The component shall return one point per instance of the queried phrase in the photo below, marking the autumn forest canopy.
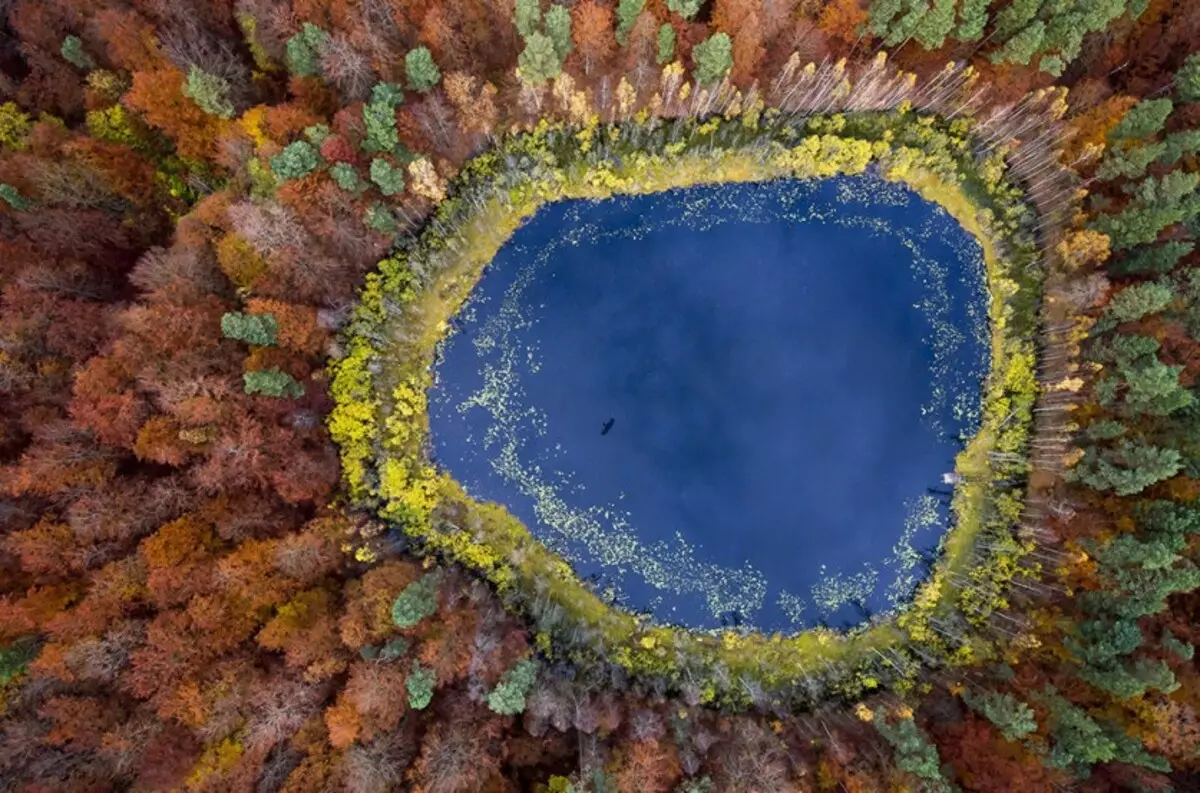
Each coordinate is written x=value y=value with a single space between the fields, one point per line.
x=248 y=251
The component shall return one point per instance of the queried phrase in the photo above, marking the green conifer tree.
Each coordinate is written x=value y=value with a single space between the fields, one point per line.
x=1128 y=467
x=912 y=750
x=1187 y=79
x=1010 y=715
x=1144 y=119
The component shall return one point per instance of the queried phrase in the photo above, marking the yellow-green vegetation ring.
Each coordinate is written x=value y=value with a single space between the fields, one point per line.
x=380 y=419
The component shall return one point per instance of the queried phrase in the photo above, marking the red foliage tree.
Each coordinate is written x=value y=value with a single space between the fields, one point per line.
x=158 y=96
x=593 y=33
x=461 y=752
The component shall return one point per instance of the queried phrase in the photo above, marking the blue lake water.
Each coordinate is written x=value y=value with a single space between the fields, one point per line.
x=724 y=405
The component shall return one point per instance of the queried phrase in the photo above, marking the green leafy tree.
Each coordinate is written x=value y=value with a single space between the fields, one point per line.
x=346 y=177
x=389 y=94
x=210 y=92
x=317 y=134
x=558 y=28
x=1010 y=715
x=685 y=8
x=296 y=161
x=880 y=14
x=303 y=50
x=1127 y=468
x=627 y=14
x=1187 y=79
x=387 y=177
x=416 y=602
x=273 y=383
x=379 y=218
x=72 y=52
x=379 y=118
x=423 y=74
x=508 y=697
x=1144 y=119
x=539 y=60
x=666 y=44
x=1052 y=64
x=258 y=329
x=527 y=17
x=713 y=57
x=420 y=682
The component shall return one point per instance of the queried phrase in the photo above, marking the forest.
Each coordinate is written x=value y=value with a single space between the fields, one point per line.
x=232 y=234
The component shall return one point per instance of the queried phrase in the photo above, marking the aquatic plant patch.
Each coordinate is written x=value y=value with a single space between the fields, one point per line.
x=381 y=417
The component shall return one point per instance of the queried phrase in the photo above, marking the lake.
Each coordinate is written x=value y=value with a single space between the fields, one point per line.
x=725 y=405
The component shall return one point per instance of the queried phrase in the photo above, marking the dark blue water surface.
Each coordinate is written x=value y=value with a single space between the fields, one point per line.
x=788 y=369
